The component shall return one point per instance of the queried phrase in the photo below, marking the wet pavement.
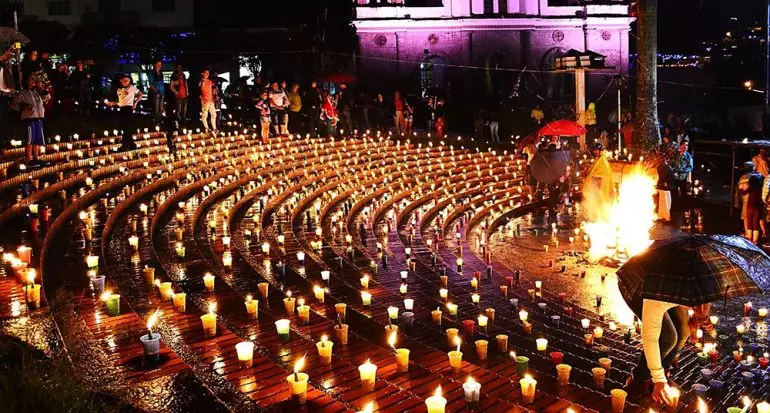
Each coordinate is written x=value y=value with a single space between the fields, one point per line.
x=388 y=211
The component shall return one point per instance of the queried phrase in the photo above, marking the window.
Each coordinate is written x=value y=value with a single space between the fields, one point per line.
x=109 y=6
x=59 y=8
x=163 y=5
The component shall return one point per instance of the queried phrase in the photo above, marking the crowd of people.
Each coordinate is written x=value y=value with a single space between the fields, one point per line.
x=753 y=197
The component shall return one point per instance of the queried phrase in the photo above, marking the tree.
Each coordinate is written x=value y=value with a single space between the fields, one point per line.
x=646 y=131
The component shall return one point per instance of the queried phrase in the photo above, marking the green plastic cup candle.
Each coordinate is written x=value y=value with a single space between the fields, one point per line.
x=522 y=365
x=282 y=327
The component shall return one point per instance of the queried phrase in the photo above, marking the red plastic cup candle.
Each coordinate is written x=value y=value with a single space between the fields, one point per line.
x=469 y=326
x=764 y=362
x=747 y=308
x=557 y=357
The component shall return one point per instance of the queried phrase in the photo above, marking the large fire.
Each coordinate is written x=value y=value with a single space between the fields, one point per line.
x=620 y=225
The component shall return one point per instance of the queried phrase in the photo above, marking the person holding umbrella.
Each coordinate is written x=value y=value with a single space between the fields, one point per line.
x=674 y=275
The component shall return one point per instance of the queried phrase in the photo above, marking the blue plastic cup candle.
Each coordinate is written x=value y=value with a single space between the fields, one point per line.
x=699 y=389
x=747 y=377
x=707 y=374
x=716 y=384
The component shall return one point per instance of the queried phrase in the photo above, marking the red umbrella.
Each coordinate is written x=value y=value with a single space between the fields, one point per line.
x=339 y=78
x=562 y=128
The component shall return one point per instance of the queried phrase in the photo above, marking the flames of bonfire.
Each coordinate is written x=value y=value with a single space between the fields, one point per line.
x=620 y=225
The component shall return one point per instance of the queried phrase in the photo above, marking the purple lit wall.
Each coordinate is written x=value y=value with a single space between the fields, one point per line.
x=393 y=41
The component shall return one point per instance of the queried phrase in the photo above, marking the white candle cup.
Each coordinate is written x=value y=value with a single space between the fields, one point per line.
x=151 y=346
x=245 y=351
x=98 y=284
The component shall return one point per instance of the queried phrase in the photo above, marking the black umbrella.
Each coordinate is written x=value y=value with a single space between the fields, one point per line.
x=696 y=269
x=548 y=166
x=9 y=36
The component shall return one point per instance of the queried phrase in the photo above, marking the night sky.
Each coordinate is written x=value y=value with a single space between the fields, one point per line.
x=684 y=24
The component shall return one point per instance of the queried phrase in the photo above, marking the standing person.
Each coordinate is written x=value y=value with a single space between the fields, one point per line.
x=398 y=112
x=208 y=109
x=493 y=118
x=278 y=104
x=30 y=64
x=681 y=166
x=60 y=81
x=430 y=109
x=313 y=101
x=80 y=82
x=750 y=196
x=180 y=90
x=329 y=115
x=295 y=107
x=378 y=111
x=263 y=109
x=157 y=90
x=440 y=117
x=664 y=191
x=7 y=89
x=761 y=163
x=30 y=102
x=408 y=117
x=344 y=106
x=128 y=96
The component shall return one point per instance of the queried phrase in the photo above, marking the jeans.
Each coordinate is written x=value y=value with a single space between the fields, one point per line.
x=494 y=126
x=673 y=336
x=181 y=109
x=126 y=114
x=157 y=106
x=207 y=108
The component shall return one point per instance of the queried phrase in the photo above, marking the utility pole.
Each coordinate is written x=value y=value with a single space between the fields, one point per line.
x=618 y=79
x=18 y=50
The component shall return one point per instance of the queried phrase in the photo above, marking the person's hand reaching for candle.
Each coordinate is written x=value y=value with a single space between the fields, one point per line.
x=659 y=393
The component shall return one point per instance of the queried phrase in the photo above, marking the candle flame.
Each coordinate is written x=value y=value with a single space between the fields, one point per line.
x=324 y=338
x=437 y=393
x=301 y=302
x=249 y=297
x=31 y=274
x=212 y=307
x=157 y=282
x=299 y=364
x=288 y=293
x=105 y=295
x=470 y=380
x=392 y=339
x=702 y=408
x=369 y=408
x=153 y=319
x=746 y=402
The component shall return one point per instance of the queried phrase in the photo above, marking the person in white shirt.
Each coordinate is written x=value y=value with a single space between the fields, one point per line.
x=278 y=104
x=30 y=102
x=665 y=330
x=128 y=97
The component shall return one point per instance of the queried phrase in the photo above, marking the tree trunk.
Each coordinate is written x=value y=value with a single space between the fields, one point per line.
x=646 y=131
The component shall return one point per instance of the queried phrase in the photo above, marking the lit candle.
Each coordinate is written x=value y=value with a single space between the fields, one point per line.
x=763 y=407
x=523 y=315
x=252 y=307
x=456 y=356
x=452 y=308
x=341 y=309
x=263 y=289
x=298 y=382
x=282 y=327
x=762 y=313
x=436 y=316
x=325 y=275
x=227 y=259
x=226 y=241
x=281 y=239
x=393 y=313
x=319 y=293
x=325 y=350
x=598 y=333
x=528 y=389
x=474 y=283
x=133 y=241
x=402 y=354
x=740 y=329
x=747 y=308
x=586 y=323
x=303 y=312
x=210 y=321
x=542 y=344
x=301 y=257
x=143 y=209
x=436 y=403
x=673 y=397
x=33 y=290
x=265 y=248
x=151 y=341
x=472 y=390
x=562 y=373
x=482 y=321
x=165 y=290
x=365 y=282
x=482 y=348
x=366 y=298
x=475 y=298
x=92 y=261
x=179 y=234
x=245 y=351
x=180 y=302
x=408 y=304
x=443 y=293
x=618 y=400
x=208 y=281
x=180 y=250
x=288 y=304
x=459 y=263
x=368 y=371
x=403 y=288
x=33 y=209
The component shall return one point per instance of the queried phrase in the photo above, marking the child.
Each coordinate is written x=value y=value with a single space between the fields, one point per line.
x=30 y=102
x=263 y=106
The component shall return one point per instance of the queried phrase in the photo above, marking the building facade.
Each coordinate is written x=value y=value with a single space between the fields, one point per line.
x=436 y=43
x=162 y=13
